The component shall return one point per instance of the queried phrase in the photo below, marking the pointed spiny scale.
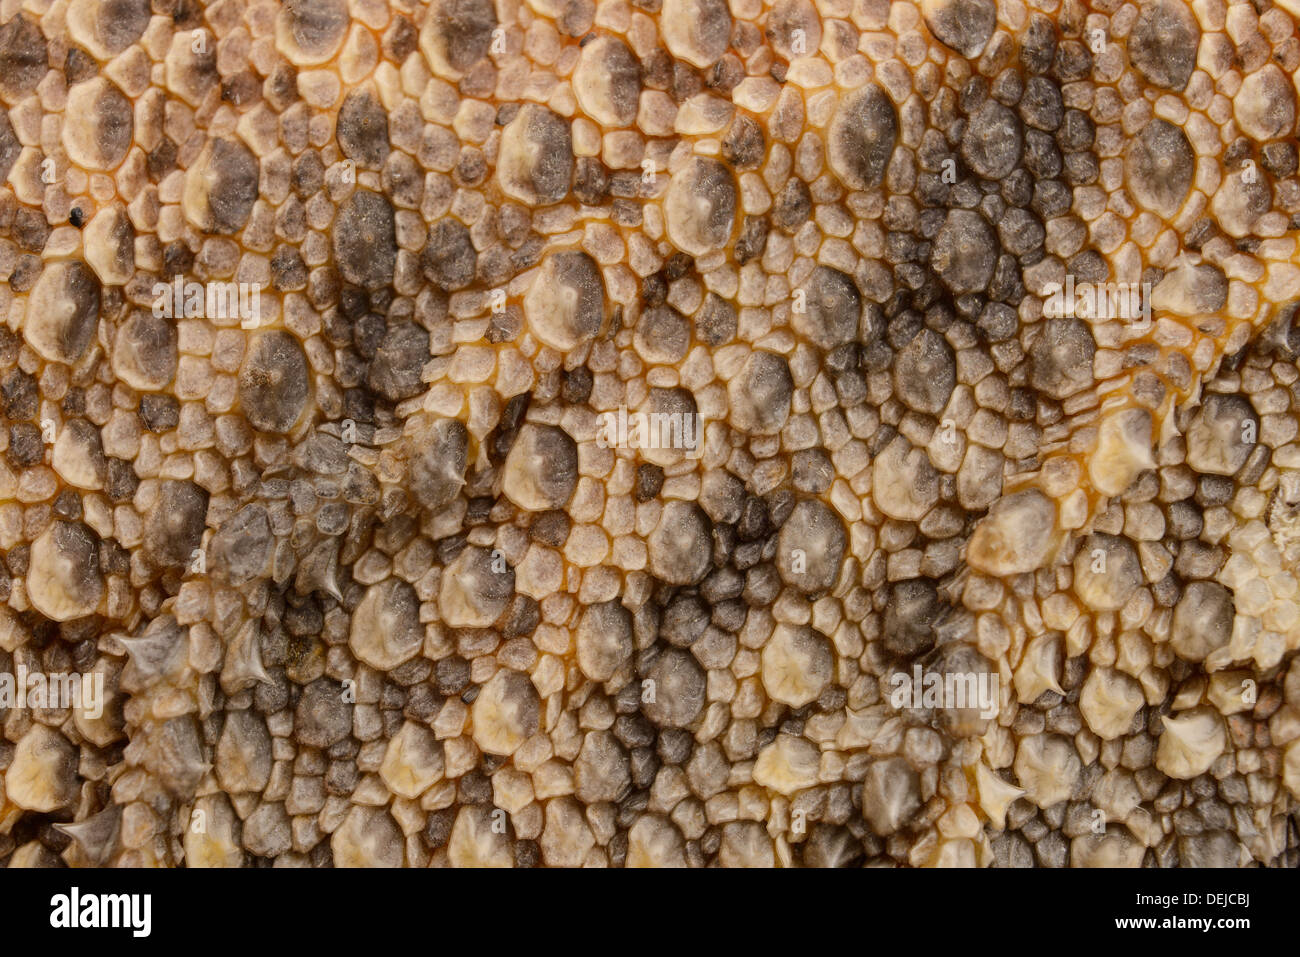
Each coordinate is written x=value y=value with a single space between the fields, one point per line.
x=1123 y=451
x=995 y=794
x=318 y=570
x=243 y=755
x=1190 y=743
x=243 y=666
x=97 y=835
x=157 y=654
x=1048 y=768
x=1109 y=702
x=1039 y=669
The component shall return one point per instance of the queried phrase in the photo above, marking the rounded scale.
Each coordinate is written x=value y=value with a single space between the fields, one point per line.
x=63 y=311
x=700 y=206
x=565 y=306
x=680 y=547
x=1061 y=357
x=794 y=28
x=965 y=252
x=365 y=239
x=993 y=142
x=475 y=589
x=810 y=547
x=607 y=82
x=862 y=137
x=604 y=640
x=274 y=382
x=925 y=373
x=535 y=159
x=241 y=547
x=362 y=129
x=831 y=310
x=24 y=59
x=173 y=527
x=541 y=470
x=457 y=34
x=386 y=629
x=1159 y=166
x=913 y=610
x=961 y=25
x=1163 y=44
x=437 y=461
x=760 y=393
x=107 y=27
x=99 y=124
x=145 y=352
x=221 y=187
x=64 y=580
x=506 y=713
x=310 y=32
x=797 y=665
x=1265 y=106
x=697 y=31
x=109 y=242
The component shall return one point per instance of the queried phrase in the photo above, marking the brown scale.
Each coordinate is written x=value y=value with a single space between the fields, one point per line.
x=747 y=242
